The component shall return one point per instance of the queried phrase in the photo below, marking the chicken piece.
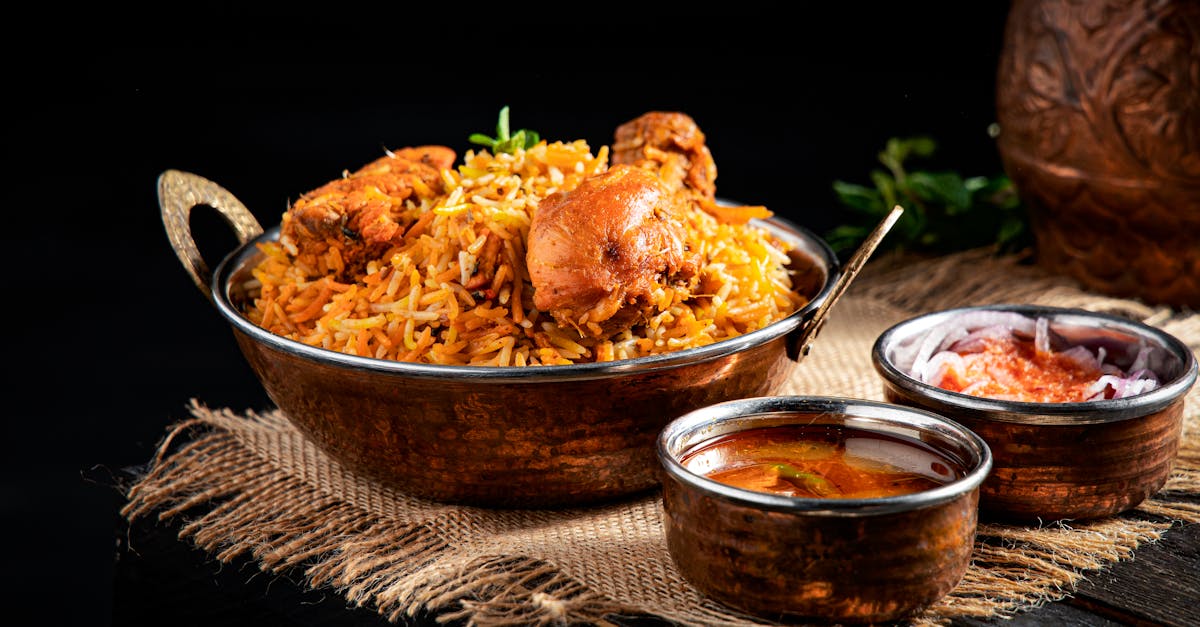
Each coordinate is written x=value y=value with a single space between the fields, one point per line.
x=597 y=254
x=671 y=145
x=362 y=214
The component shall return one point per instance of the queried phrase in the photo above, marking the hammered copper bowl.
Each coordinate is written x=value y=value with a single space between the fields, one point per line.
x=492 y=436
x=844 y=560
x=1057 y=461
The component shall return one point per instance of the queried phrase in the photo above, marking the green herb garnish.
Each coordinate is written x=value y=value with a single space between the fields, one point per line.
x=944 y=212
x=503 y=141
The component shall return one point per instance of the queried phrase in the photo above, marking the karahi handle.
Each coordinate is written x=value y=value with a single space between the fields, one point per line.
x=813 y=326
x=178 y=194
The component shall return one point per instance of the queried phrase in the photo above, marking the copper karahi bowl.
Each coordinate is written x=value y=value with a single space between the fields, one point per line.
x=1059 y=460
x=850 y=560
x=542 y=436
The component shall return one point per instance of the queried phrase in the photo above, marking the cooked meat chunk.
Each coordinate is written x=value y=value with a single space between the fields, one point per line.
x=362 y=214
x=671 y=145
x=597 y=254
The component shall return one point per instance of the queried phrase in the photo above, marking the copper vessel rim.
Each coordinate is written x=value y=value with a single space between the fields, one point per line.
x=740 y=413
x=1075 y=413
x=805 y=241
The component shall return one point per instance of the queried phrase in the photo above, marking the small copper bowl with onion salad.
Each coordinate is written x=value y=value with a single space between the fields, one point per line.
x=821 y=508
x=1083 y=411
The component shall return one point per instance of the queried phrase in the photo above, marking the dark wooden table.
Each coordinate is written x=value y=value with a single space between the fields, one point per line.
x=162 y=580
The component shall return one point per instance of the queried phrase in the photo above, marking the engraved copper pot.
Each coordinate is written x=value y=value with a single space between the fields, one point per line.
x=1098 y=104
x=845 y=560
x=1055 y=461
x=512 y=436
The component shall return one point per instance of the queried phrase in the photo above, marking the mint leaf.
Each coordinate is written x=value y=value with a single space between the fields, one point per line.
x=859 y=197
x=944 y=188
x=944 y=210
x=504 y=141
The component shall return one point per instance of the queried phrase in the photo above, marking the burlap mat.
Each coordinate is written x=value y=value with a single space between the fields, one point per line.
x=248 y=484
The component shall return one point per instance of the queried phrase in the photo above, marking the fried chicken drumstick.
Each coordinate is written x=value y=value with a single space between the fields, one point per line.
x=600 y=255
x=597 y=254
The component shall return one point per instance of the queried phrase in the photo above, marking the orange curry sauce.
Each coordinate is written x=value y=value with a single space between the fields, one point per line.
x=821 y=461
x=1015 y=370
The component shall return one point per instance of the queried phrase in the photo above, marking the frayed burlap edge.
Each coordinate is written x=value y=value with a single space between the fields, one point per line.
x=234 y=502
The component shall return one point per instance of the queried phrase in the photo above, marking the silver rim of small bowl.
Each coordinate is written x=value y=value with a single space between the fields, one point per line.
x=702 y=424
x=1089 y=412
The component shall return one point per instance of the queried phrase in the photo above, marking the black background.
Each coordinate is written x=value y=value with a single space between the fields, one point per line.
x=109 y=339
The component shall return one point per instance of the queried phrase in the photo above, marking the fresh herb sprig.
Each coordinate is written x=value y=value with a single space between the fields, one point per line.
x=944 y=212
x=504 y=141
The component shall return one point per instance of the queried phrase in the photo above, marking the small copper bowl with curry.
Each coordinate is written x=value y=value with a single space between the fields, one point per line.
x=1083 y=411
x=802 y=508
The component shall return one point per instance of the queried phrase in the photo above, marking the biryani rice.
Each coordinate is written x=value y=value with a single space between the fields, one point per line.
x=412 y=303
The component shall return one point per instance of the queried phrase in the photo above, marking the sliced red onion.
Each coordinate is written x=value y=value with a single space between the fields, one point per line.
x=1121 y=386
x=941 y=363
x=1142 y=360
x=931 y=344
x=1139 y=386
x=1084 y=358
x=1098 y=390
x=976 y=340
x=1041 y=336
x=1144 y=373
x=956 y=329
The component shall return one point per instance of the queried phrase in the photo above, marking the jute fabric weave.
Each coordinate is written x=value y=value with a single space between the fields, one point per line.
x=246 y=484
